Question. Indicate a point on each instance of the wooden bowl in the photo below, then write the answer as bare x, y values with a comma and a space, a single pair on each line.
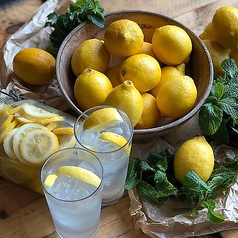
200, 66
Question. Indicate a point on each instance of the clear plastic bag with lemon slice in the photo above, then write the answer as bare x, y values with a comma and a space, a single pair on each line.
30, 131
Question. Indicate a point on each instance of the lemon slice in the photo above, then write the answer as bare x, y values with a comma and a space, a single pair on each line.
65, 136
10, 127
6, 123
50, 179
20, 134
105, 116
80, 174
114, 138
35, 112
64, 130
37, 145
8, 144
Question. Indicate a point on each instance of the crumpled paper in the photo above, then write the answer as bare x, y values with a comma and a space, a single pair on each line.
33, 34
173, 218
157, 221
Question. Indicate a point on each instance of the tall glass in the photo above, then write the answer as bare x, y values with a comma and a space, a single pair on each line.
111, 151
75, 205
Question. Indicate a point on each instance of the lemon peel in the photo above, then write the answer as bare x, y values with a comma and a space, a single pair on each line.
50, 179
114, 138
81, 174
102, 116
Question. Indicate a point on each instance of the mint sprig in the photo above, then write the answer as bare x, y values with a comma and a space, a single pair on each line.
63, 24
219, 114
154, 180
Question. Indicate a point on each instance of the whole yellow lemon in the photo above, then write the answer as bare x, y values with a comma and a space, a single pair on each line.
34, 66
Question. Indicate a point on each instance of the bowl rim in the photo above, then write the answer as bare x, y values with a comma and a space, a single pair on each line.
158, 129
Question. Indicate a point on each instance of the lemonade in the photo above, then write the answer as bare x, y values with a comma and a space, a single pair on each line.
72, 182
107, 132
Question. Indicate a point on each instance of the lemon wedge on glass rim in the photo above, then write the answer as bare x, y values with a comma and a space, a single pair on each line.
101, 118
79, 173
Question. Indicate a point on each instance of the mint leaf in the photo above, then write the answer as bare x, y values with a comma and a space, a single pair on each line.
63, 24
210, 118
230, 67
221, 106
211, 214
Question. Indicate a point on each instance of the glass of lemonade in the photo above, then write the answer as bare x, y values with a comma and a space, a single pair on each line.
72, 182
107, 132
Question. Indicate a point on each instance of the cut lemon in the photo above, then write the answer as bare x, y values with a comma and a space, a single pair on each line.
102, 116
114, 138
6, 123
35, 112
64, 130
65, 136
20, 134
8, 144
80, 174
10, 127
37, 145
50, 179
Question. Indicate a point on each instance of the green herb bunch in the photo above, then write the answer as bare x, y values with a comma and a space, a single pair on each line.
63, 24
155, 181
219, 114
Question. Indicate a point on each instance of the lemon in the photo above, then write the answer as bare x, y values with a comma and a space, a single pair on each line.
127, 98
8, 144
20, 134
218, 54
172, 45
8, 129
224, 26
195, 155
91, 53
37, 145
80, 174
114, 138
65, 137
143, 70
176, 97
146, 48
103, 116
34, 66
150, 115
36, 113
6, 123
113, 73
50, 179
91, 88
123, 38
208, 33
167, 73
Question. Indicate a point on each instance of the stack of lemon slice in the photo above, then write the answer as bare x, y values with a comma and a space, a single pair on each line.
28, 135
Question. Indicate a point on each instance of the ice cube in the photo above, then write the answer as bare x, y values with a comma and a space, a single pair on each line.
68, 188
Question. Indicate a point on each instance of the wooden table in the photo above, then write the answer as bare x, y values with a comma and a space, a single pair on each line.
24, 213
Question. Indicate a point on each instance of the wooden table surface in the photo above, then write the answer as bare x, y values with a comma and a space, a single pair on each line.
24, 213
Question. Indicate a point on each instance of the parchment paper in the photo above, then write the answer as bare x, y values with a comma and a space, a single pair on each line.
162, 221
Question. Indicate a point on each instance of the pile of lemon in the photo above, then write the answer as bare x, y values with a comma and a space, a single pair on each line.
148, 80
221, 37
28, 135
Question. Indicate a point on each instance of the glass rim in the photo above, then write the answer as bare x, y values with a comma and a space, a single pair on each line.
84, 113
70, 200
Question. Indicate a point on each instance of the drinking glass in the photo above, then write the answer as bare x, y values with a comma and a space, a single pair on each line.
75, 206
114, 157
